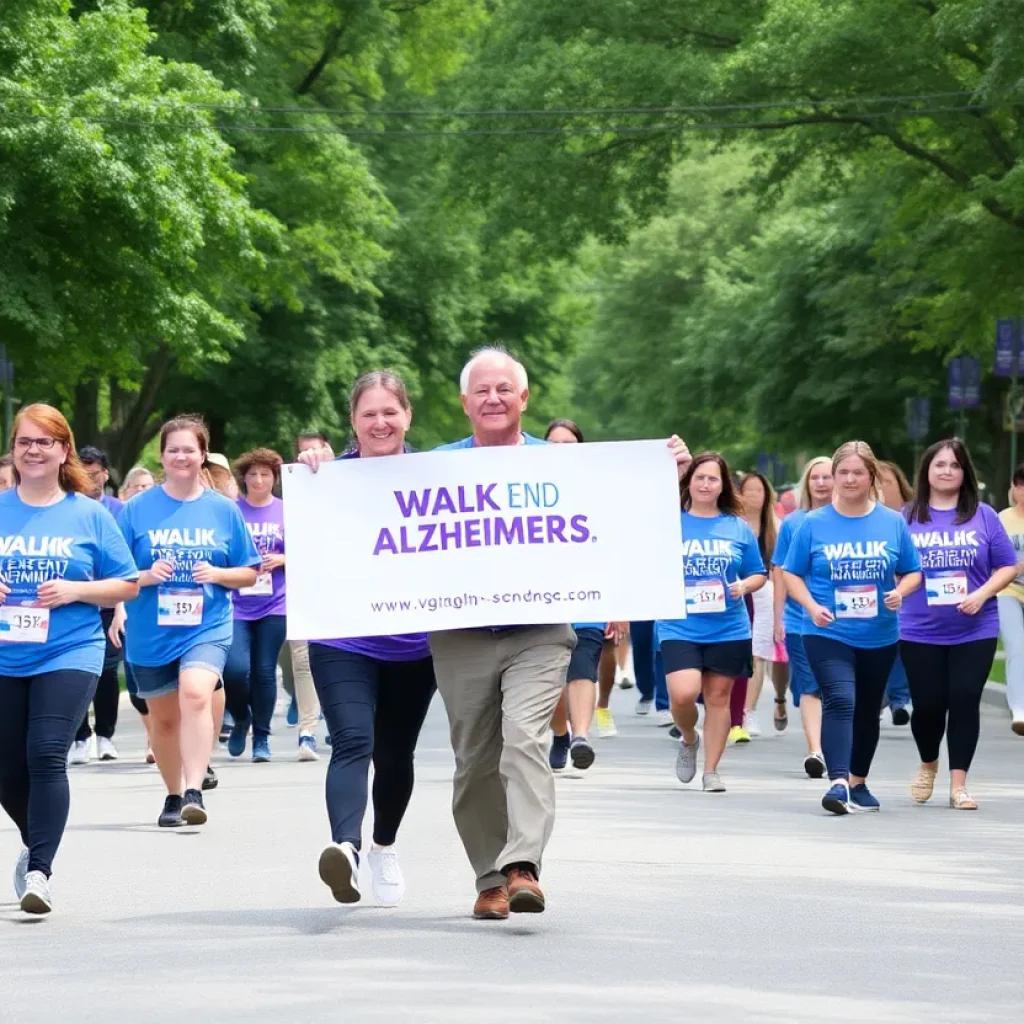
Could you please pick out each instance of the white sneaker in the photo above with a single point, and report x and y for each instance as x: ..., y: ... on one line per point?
x: 80, y: 752
x: 751, y: 724
x: 21, y: 874
x: 388, y: 883
x: 663, y: 718
x: 1018, y: 722
x: 644, y: 705
x: 339, y: 871
x: 36, y: 899
x: 105, y: 749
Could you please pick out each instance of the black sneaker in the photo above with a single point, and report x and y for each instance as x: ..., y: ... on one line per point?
x: 170, y: 816
x: 900, y: 716
x: 192, y: 810
x: 581, y: 752
x: 210, y: 780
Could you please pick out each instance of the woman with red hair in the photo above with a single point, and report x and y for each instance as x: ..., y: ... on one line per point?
x: 63, y: 559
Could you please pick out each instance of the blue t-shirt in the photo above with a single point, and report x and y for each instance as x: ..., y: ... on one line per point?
x: 470, y: 442
x: 208, y: 529
x: 716, y: 552
x: 76, y: 539
x: 793, y: 613
x: 849, y: 563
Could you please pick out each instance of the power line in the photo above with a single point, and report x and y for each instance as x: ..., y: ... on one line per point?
x: 455, y: 114
x: 564, y: 131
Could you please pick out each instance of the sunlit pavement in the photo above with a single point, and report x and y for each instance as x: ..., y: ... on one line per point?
x: 664, y: 903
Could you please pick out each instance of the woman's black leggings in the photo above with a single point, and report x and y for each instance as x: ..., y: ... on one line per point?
x: 374, y: 711
x: 946, y: 683
x: 39, y: 716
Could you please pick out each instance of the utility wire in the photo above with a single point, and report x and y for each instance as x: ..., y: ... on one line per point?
x: 841, y: 116
x: 455, y: 114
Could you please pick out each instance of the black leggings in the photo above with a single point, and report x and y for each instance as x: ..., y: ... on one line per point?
x: 374, y: 711
x: 38, y: 718
x: 108, y: 689
x: 946, y: 684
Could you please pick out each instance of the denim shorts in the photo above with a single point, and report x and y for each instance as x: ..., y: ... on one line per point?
x: 158, y: 680
x: 801, y: 679
x: 586, y: 656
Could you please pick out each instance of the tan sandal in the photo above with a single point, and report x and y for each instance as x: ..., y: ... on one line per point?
x: 923, y: 785
x: 961, y: 800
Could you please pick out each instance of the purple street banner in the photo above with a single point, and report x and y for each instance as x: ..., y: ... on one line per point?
x: 918, y: 418
x: 1007, y: 347
x: 955, y: 371
x: 964, y: 382
x: 509, y: 536
x: 971, y: 375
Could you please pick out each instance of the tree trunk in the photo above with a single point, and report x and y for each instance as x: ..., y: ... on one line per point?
x: 136, y: 415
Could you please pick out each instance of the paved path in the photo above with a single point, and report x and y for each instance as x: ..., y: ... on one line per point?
x: 665, y: 904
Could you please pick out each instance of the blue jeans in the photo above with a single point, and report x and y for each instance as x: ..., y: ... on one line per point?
x: 897, y: 689
x: 852, y: 681
x: 250, y: 675
x: 650, y: 672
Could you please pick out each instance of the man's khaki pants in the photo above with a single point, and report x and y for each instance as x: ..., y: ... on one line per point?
x: 298, y: 682
x: 500, y: 689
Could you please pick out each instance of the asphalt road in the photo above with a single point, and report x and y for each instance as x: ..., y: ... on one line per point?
x: 664, y: 903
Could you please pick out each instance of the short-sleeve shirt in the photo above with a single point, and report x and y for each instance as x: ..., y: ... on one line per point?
x: 793, y: 613
x: 1013, y: 523
x: 111, y: 504
x: 76, y: 539
x: 717, y: 551
x: 956, y: 559
x: 158, y: 527
x: 395, y: 647
x: 265, y: 524
x: 849, y: 563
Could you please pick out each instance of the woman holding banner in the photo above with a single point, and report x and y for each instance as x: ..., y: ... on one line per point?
x: 374, y: 692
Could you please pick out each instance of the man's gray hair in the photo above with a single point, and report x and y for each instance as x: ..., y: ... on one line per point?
x: 493, y: 352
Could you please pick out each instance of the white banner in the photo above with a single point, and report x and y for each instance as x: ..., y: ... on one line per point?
x: 483, y: 537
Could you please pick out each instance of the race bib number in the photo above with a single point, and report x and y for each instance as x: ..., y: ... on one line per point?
x: 23, y: 624
x: 704, y: 597
x: 856, y: 602
x: 180, y: 607
x: 263, y: 587
x: 945, y: 587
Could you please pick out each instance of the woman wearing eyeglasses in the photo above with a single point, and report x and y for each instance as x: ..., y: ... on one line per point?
x: 63, y: 559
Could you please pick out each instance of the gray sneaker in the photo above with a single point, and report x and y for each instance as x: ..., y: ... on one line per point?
x: 713, y: 783
x: 21, y: 874
x: 686, y: 760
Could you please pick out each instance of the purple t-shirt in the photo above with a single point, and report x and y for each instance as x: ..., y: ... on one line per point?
x: 111, y: 504
x: 956, y: 559
x: 266, y: 527
x: 401, y: 647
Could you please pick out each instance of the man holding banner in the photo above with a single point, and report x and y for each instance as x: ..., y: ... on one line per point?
x: 481, y: 551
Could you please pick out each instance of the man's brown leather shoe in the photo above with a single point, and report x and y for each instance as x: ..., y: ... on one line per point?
x: 492, y: 904
x: 525, y: 896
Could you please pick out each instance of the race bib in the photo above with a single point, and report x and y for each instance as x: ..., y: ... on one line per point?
x: 23, y: 624
x: 180, y: 607
x: 945, y: 587
x: 704, y: 597
x: 264, y: 586
x: 856, y: 602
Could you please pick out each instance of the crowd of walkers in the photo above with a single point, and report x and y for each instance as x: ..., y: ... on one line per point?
x: 871, y: 592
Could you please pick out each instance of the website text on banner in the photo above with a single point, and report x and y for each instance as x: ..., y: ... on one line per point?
x: 483, y: 537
